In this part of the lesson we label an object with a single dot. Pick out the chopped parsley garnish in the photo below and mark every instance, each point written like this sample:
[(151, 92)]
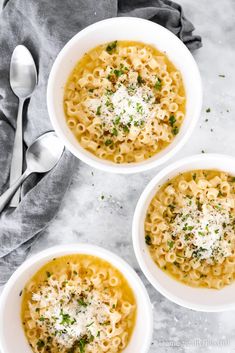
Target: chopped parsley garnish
[(131, 90), (148, 240), (140, 79), (208, 110), (198, 252), (40, 343), (109, 92), (90, 324), (123, 68), (172, 120), (98, 111), (139, 108), (65, 319), (114, 131), (81, 344), (118, 73), (111, 47), (108, 142), (81, 300), (220, 75), (126, 129), (158, 84), (48, 274), (109, 104), (117, 120), (201, 233), (194, 176), (170, 244), (175, 130)]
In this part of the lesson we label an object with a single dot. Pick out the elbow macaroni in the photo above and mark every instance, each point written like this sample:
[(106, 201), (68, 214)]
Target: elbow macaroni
[(78, 303), (135, 95), (193, 218)]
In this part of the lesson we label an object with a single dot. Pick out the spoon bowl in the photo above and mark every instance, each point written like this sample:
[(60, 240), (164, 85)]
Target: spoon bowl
[(41, 157), (44, 153), (23, 74)]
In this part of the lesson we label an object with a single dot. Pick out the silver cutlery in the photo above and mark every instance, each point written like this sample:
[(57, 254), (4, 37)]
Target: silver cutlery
[(41, 157), (23, 79)]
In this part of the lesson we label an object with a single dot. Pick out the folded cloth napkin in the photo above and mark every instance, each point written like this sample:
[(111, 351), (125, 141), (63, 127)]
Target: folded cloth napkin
[(44, 27)]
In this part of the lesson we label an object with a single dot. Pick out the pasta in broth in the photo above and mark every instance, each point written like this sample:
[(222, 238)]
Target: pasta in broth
[(190, 228), (78, 304), (124, 101)]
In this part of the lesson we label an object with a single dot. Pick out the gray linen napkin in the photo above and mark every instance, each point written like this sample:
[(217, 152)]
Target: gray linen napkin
[(44, 27)]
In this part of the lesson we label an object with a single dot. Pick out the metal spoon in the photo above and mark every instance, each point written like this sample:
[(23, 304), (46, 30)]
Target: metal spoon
[(41, 157), (23, 79)]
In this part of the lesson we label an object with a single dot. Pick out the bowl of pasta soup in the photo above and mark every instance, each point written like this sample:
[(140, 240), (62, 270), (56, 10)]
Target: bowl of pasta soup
[(124, 95), (184, 232), (75, 298)]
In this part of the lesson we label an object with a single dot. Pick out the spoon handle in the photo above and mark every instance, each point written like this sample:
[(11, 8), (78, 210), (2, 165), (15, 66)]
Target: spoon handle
[(7, 195), (17, 155)]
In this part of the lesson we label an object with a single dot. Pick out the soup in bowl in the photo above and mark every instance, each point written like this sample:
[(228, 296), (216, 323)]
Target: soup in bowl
[(184, 232), (79, 299), (124, 94)]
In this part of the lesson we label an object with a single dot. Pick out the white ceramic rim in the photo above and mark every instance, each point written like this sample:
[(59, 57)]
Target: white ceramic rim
[(95, 162), (135, 232), (84, 248)]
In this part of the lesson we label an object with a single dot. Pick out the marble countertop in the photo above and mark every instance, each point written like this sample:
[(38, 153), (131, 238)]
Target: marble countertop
[(98, 207)]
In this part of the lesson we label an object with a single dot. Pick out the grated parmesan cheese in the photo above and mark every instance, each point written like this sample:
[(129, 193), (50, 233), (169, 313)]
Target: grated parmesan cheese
[(69, 314), (136, 106), (131, 106), (204, 230)]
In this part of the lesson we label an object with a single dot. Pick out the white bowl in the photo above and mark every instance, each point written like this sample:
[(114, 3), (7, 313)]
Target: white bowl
[(12, 338), (201, 299), (123, 28)]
